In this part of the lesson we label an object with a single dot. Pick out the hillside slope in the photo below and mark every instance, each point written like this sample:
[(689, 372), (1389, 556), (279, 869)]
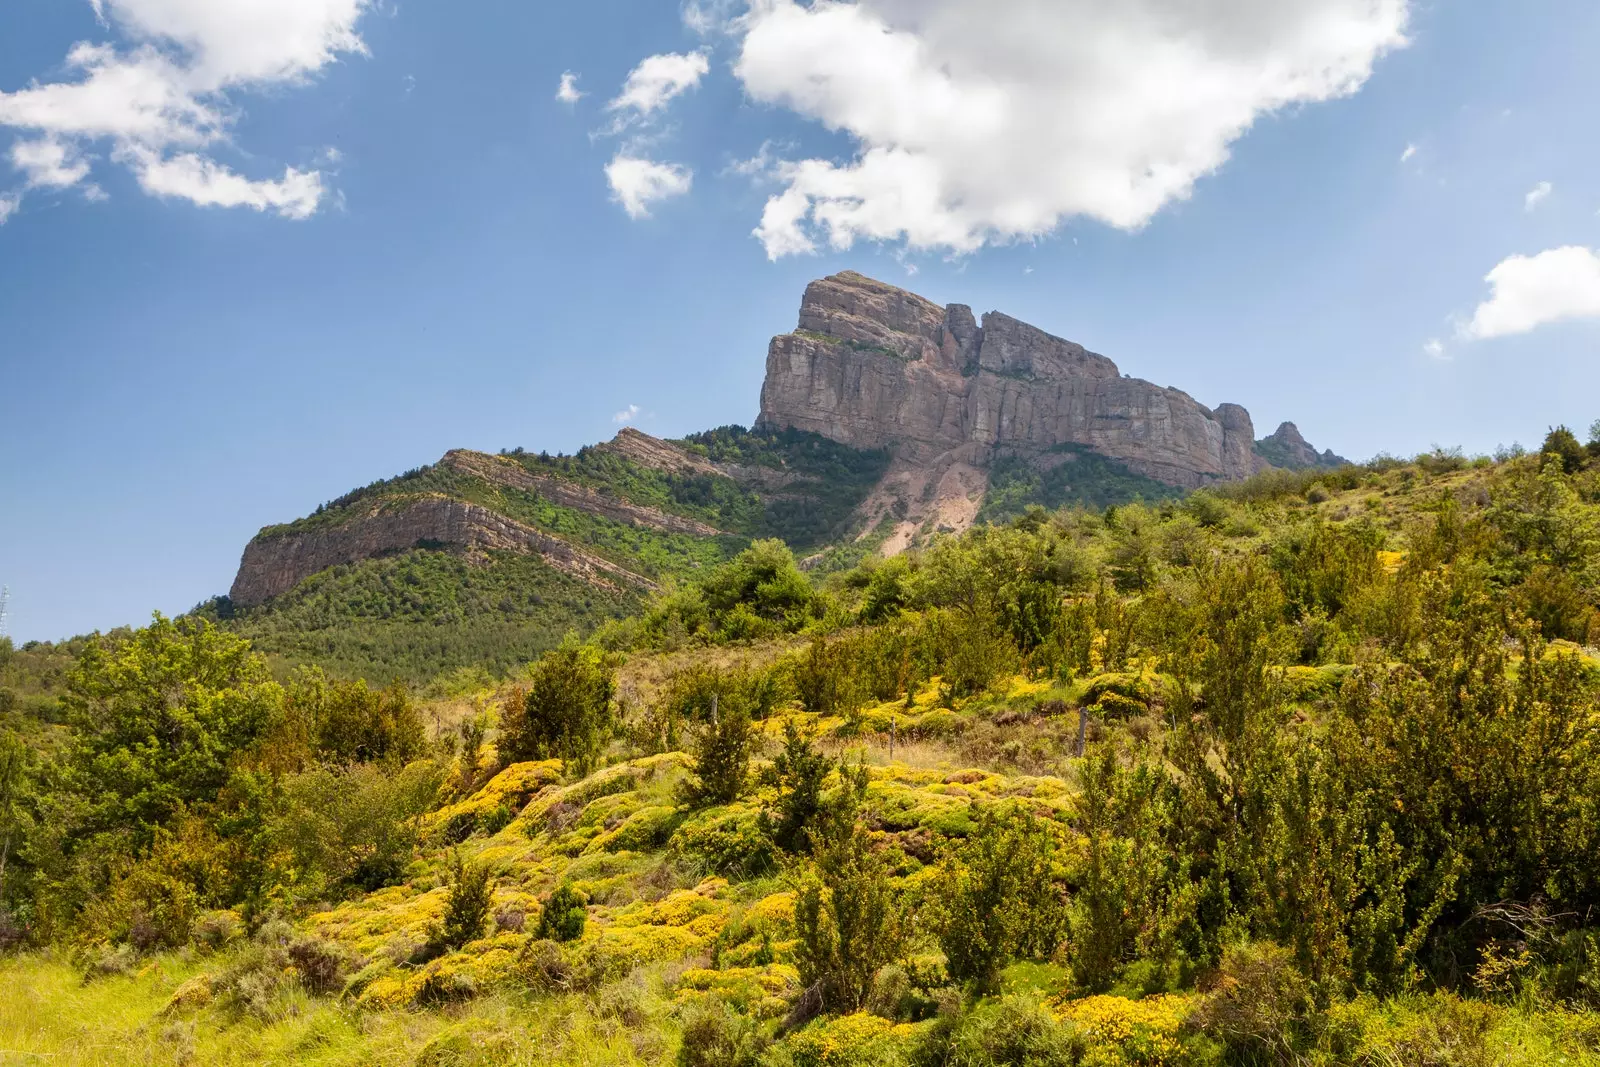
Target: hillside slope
[(1302, 770)]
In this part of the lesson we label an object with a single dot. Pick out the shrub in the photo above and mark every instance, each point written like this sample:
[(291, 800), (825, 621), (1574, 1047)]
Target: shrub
[(466, 913), (735, 843), (714, 1035), (1001, 898), (348, 722), (563, 916), (799, 772), (148, 907), (1013, 1032), (565, 712), (319, 964), (848, 921), (352, 827), (1259, 1004), (543, 966), (722, 757)]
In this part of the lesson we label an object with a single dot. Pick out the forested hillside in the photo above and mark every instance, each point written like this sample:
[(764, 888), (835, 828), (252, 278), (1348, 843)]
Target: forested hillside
[(1300, 770)]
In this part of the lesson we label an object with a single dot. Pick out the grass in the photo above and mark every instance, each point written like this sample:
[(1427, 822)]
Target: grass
[(51, 1016)]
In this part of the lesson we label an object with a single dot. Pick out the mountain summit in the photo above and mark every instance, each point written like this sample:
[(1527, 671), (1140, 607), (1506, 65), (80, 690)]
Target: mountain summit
[(872, 366)]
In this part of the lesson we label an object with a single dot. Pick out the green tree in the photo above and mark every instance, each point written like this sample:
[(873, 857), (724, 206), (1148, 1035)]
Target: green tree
[(1001, 898), (848, 921), (466, 913), (566, 712), (563, 916), (158, 714), (722, 755), (799, 772), (13, 789), (1561, 447)]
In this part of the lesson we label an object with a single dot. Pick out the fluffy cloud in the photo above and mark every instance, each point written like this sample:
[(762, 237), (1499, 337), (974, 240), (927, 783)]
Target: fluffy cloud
[(1532, 291), (208, 183), (1433, 348), (626, 415), (1410, 151), (8, 204), (166, 93), (567, 91), (1537, 195), (637, 183), (656, 82), (49, 163), (989, 122)]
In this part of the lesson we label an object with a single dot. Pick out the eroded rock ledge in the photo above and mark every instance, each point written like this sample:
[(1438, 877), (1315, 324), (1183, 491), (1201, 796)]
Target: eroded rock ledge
[(274, 565)]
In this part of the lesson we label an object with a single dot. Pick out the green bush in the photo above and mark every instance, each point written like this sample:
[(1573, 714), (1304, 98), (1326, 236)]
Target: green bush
[(566, 710), (848, 920), (1002, 897), (466, 914), (798, 772), (714, 1035), (563, 916)]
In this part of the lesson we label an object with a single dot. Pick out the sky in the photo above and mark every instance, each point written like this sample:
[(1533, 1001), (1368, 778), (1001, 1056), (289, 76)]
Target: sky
[(255, 253)]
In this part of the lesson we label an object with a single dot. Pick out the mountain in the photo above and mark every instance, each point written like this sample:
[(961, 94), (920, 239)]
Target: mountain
[(1285, 448), (884, 419)]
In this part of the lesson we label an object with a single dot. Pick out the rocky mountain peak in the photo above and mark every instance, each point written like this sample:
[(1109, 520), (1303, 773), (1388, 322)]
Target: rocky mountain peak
[(872, 365), (1286, 447)]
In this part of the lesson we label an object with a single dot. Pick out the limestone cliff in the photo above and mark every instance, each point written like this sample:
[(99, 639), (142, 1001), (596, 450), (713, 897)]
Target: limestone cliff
[(874, 366), (273, 565)]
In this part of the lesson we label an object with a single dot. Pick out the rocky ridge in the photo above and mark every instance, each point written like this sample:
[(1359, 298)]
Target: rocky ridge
[(869, 366), (1285, 447), (873, 366), (274, 565)]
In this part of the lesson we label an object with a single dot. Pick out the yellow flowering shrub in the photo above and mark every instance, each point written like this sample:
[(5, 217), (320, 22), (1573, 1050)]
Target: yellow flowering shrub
[(858, 1040), (1137, 1033), (511, 787), (761, 992)]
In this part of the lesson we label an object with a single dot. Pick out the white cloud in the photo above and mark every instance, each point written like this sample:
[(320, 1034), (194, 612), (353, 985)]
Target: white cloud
[(707, 17), (657, 81), (1410, 151), (168, 91), (49, 164), (626, 415), (638, 183), (567, 91), (8, 206), (1537, 195), (1532, 291), (209, 184), (976, 123), (1434, 348)]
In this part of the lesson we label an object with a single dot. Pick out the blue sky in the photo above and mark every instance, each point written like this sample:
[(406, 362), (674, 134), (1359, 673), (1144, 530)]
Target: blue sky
[(259, 252)]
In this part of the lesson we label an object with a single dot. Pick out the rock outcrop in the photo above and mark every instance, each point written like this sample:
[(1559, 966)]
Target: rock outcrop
[(273, 565), (497, 470), (1286, 448), (874, 366)]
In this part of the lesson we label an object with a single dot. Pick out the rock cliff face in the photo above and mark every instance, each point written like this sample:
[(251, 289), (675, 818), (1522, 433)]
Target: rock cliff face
[(874, 366), (275, 565)]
